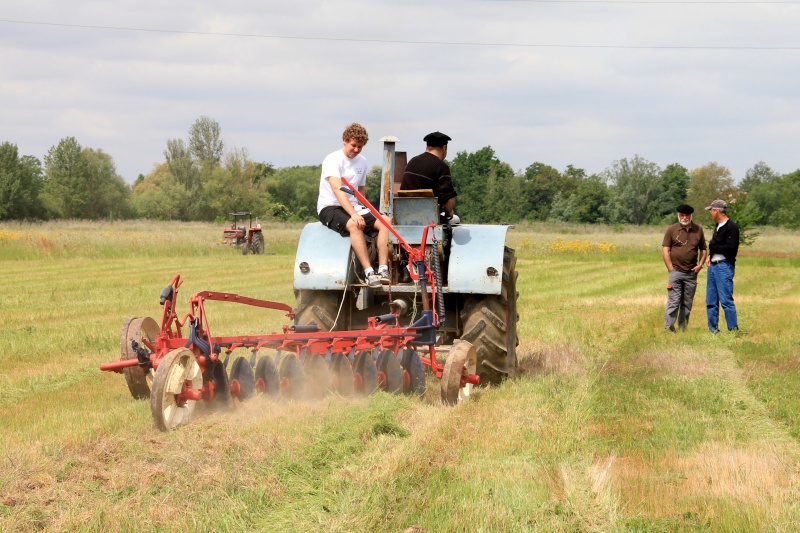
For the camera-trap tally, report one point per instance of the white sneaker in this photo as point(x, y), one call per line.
point(385, 279)
point(374, 280)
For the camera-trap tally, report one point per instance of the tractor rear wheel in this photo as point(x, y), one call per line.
point(258, 243)
point(320, 308)
point(490, 324)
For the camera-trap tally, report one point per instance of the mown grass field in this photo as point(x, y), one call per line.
point(611, 426)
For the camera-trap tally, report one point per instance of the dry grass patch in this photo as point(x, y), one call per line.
point(588, 493)
point(681, 363)
point(763, 475)
point(535, 357)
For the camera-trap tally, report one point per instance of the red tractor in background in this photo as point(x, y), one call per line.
point(249, 237)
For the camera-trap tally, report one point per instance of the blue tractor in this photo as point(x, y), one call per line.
point(476, 279)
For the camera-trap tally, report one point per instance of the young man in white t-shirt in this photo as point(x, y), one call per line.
point(342, 213)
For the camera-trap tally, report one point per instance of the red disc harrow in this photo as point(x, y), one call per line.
point(181, 362)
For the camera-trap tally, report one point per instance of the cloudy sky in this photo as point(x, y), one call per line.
point(560, 81)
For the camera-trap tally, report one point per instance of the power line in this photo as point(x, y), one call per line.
point(401, 41)
point(640, 2)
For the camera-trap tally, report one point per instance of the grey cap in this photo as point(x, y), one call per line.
point(717, 204)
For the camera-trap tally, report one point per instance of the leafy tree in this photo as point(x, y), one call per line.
point(787, 213)
point(20, 183)
point(498, 205)
point(159, 196)
point(760, 173)
point(110, 193)
point(205, 143)
point(584, 205)
point(636, 185)
point(740, 212)
point(373, 189)
point(262, 171)
point(236, 187)
point(294, 192)
point(591, 195)
point(764, 196)
point(673, 190)
point(706, 184)
point(181, 165)
point(563, 208)
point(541, 184)
point(67, 189)
point(478, 179)
point(512, 203)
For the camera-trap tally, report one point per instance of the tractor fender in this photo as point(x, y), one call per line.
point(476, 259)
point(326, 254)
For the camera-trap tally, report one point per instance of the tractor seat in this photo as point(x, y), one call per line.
point(415, 207)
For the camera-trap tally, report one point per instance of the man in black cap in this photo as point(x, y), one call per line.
point(429, 171)
point(722, 250)
point(682, 243)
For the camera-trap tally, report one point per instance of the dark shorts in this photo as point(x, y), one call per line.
point(335, 218)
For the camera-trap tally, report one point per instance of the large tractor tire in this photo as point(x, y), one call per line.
point(320, 308)
point(490, 324)
point(258, 243)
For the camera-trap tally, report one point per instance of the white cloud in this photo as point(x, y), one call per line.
point(287, 99)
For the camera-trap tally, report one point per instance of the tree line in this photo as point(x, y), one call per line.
point(200, 180)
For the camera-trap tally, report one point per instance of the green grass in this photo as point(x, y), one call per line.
point(611, 426)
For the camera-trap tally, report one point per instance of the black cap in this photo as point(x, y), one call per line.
point(436, 139)
point(685, 209)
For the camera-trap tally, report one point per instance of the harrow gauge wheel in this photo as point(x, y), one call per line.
point(318, 380)
point(138, 329)
point(341, 374)
point(242, 380)
point(414, 381)
point(267, 380)
point(461, 361)
point(365, 373)
point(390, 373)
point(177, 385)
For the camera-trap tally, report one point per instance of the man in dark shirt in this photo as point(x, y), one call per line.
point(680, 247)
point(429, 171)
point(721, 262)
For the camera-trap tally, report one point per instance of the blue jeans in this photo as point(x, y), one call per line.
point(719, 292)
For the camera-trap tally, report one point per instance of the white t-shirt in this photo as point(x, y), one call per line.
point(353, 170)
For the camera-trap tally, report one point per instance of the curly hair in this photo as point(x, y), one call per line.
point(355, 132)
